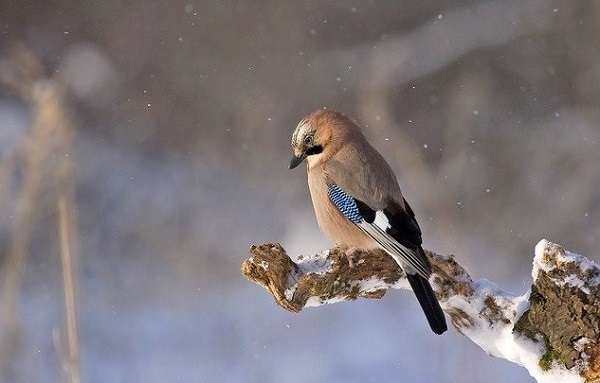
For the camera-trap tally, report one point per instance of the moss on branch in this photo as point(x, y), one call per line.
point(562, 314)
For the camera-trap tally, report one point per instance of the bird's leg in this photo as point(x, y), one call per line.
point(350, 253)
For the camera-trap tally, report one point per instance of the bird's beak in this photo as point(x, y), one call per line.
point(296, 160)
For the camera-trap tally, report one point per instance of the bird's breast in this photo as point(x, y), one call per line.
point(333, 223)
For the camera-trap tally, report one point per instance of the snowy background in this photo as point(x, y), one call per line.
point(487, 110)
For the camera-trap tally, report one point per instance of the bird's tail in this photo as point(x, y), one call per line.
point(428, 302)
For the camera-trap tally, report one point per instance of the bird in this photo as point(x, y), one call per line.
point(358, 202)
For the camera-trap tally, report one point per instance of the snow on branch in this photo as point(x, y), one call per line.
point(552, 330)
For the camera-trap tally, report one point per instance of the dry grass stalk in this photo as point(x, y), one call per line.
point(69, 265)
point(47, 173)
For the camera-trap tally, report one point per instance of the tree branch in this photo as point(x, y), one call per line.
point(553, 330)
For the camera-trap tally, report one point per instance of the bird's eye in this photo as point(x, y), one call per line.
point(308, 140)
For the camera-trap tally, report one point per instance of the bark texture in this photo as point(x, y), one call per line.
point(561, 313)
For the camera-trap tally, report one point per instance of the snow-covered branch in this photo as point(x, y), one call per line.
point(552, 330)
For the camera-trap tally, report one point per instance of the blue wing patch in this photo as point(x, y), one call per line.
point(377, 225)
point(345, 203)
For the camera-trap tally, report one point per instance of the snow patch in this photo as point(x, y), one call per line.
point(586, 266)
point(371, 284)
point(318, 264)
point(496, 337)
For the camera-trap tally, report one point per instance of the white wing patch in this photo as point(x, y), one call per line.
point(411, 261)
point(381, 221)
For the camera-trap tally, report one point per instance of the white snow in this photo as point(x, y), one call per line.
point(371, 285)
point(317, 264)
point(585, 265)
point(481, 322)
point(316, 301)
point(499, 340)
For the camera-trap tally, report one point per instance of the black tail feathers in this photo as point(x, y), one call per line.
point(428, 302)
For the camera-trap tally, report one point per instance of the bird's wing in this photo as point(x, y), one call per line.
point(364, 174)
point(393, 228)
point(403, 224)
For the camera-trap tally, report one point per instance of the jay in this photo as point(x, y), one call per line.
point(358, 202)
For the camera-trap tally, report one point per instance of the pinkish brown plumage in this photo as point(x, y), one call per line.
point(358, 202)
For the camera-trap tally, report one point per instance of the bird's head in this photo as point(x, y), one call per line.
point(319, 135)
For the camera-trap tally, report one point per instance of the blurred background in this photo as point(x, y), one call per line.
point(144, 147)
